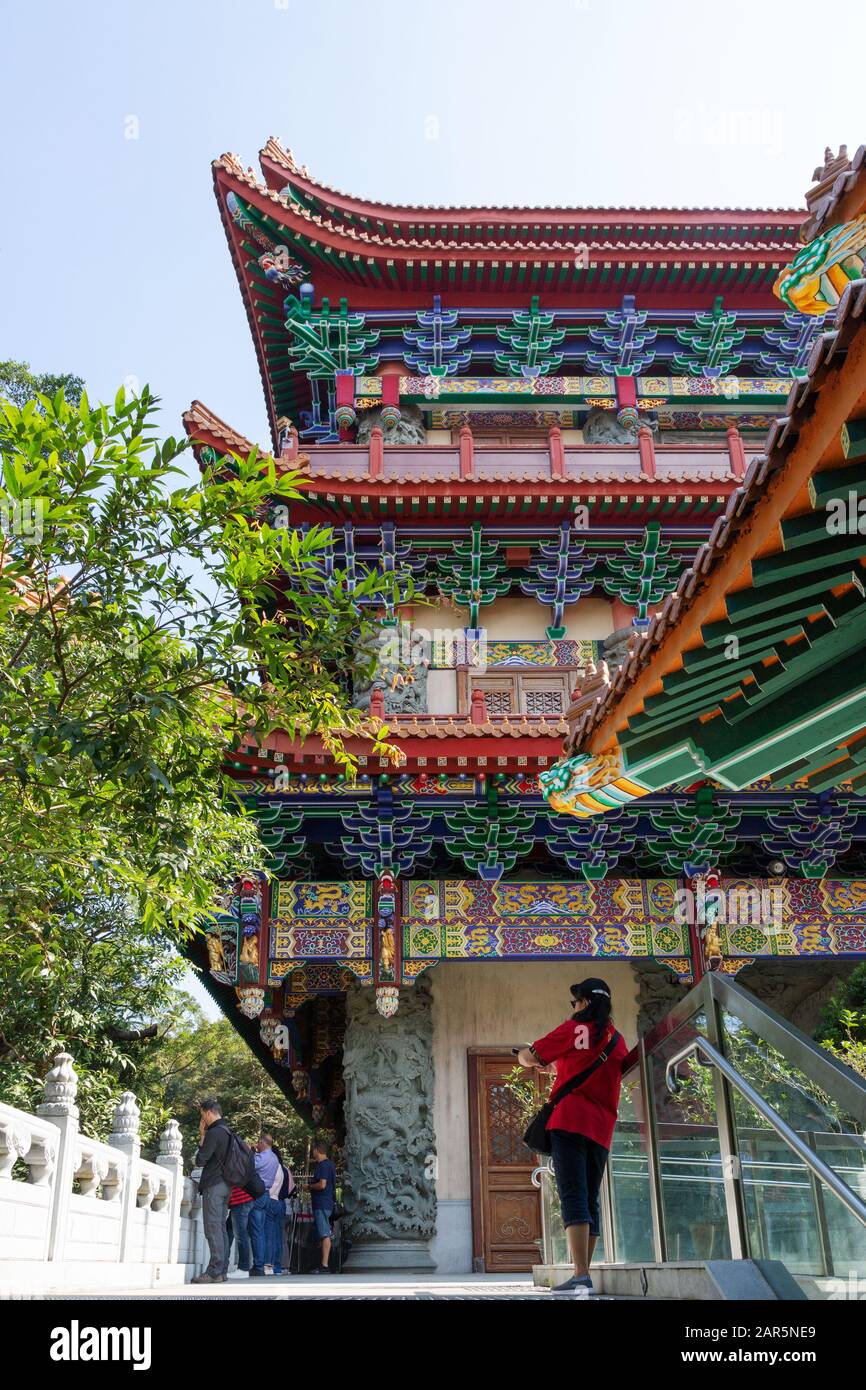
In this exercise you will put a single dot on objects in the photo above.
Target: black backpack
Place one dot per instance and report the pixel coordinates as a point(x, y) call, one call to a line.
point(239, 1167)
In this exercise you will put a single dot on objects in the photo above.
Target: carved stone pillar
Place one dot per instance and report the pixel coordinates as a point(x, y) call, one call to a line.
point(125, 1137)
point(170, 1156)
point(58, 1106)
point(390, 1141)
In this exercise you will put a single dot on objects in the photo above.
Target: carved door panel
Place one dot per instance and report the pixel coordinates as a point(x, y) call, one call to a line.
point(506, 1208)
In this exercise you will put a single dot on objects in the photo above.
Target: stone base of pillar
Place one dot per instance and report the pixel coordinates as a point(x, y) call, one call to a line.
point(397, 1256)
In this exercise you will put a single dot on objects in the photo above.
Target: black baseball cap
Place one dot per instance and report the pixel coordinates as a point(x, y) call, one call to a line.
point(588, 989)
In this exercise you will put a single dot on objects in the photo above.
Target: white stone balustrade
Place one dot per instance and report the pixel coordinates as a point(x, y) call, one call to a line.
point(80, 1214)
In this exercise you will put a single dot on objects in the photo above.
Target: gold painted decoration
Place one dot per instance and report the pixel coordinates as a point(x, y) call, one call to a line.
point(586, 786)
point(815, 280)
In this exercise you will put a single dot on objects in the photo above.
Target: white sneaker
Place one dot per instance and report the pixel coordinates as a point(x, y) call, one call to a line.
point(239, 1274)
point(269, 1269)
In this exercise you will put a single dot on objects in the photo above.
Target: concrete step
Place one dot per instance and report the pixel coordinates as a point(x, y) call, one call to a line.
point(687, 1280)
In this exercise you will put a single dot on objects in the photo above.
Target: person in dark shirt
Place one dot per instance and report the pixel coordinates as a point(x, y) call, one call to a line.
point(215, 1138)
point(323, 1187)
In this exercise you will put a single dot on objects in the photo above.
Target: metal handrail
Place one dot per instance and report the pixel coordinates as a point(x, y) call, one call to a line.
point(820, 1066)
point(809, 1157)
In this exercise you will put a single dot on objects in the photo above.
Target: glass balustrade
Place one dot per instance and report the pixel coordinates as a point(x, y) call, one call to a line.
point(627, 1190)
point(696, 1134)
point(792, 1214)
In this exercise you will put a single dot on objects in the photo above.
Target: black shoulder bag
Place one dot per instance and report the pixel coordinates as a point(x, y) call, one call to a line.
point(537, 1136)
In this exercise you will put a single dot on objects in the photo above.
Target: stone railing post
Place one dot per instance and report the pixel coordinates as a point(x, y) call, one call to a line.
point(376, 453)
point(556, 451)
point(467, 452)
point(170, 1156)
point(125, 1137)
point(647, 452)
point(478, 708)
point(736, 453)
point(60, 1090)
point(288, 445)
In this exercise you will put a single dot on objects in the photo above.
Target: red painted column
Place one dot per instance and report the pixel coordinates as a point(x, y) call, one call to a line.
point(622, 614)
point(695, 943)
point(264, 934)
point(557, 452)
point(344, 402)
point(467, 452)
point(391, 387)
point(647, 450)
point(478, 709)
point(737, 453)
point(345, 389)
point(626, 392)
point(377, 453)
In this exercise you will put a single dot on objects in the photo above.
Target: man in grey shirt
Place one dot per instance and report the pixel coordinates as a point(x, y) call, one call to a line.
point(215, 1138)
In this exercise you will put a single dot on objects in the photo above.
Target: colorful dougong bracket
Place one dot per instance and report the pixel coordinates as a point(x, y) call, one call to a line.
point(818, 274)
point(532, 339)
point(439, 342)
point(644, 575)
point(474, 576)
point(561, 575)
point(589, 786)
point(712, 343)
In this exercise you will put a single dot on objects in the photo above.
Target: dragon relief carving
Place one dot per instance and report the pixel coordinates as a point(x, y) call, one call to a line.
point(390, 1141)
point(408, 429)
point(404, 689)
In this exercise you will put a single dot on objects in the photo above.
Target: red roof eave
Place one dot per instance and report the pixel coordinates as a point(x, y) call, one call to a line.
point(279, 168)
point(346, 240)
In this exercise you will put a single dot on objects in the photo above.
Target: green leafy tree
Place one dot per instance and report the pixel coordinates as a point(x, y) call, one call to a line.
point(528, 1091)
point(196, 1057)
point(147, 625)
point(19, 385)
point(843, 1023)
point(98, 986)
point(123, 680)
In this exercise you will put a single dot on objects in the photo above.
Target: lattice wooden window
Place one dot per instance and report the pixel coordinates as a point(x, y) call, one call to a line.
point(498, 701)
point(506, 1126)
point(543, 702)
point(540, 694)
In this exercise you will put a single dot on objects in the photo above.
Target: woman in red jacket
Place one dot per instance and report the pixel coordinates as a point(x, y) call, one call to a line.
point(581, 1126)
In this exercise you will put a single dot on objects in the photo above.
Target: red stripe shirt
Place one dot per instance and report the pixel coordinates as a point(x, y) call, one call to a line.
point(591, 1109)
point(238, 1196)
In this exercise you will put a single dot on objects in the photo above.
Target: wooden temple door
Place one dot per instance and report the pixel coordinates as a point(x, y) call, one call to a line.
point(506, 1208)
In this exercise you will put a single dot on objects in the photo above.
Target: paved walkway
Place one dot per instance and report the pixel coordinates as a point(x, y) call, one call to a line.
point(377, 1286)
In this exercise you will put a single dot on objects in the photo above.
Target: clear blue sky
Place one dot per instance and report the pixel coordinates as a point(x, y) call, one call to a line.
point(114, 262)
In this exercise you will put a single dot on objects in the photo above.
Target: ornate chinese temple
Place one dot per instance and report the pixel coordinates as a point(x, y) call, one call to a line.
point(555, 429)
